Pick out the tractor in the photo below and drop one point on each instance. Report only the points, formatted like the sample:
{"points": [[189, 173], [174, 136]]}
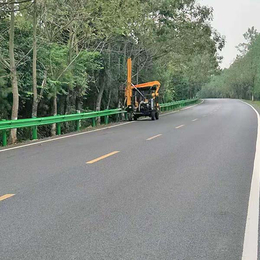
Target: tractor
{"points": [[141, 99]]}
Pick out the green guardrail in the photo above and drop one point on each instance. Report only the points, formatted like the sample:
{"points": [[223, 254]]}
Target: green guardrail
{"points": [[177, 104], [6, 125], [34, 122]]}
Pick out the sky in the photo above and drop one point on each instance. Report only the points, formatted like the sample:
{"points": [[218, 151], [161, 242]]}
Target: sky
{"points": [[232, 18]]}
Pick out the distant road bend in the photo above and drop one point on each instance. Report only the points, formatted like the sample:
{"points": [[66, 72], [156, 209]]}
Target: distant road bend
{"points": [[180, 188]]}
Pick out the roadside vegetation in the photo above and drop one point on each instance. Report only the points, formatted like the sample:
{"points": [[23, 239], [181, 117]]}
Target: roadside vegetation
{"points": [[255, 104], [242, 79], [57, 57]]}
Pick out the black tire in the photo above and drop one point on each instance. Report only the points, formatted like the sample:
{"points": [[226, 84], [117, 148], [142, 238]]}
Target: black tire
{"points": [[135, 118], [153, 115], [157, 115]]}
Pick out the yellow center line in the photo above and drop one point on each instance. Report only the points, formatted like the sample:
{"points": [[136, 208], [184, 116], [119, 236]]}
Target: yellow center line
{"points": [[6, 196], [151, 138], [102, 157], [177, 127], [194, 119]]}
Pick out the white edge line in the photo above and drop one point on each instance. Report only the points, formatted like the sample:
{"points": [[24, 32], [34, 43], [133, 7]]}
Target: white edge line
{"points": [[63, 137], [185, 108], [250, 247]]}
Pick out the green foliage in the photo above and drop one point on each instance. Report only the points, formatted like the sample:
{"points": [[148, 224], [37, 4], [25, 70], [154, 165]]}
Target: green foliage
{"points": [[242, 79], [4, 92], [83, 46]]}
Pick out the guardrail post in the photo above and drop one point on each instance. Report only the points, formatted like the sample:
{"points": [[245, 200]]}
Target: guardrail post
{"points": [[77, 125], [106, 120], [94, 122], [34, 133], [119, 117], [4, 138], [58, 126], [78, 122]]}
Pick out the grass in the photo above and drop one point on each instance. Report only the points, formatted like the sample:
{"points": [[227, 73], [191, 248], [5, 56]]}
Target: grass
{"points": [[255, 104]]}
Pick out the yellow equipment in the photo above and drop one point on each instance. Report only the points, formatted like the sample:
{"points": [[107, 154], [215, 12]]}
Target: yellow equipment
{"points": [[141, 99]]}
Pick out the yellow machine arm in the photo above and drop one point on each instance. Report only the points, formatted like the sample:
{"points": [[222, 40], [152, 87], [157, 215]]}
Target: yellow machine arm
{"points": [[130, 86], [149, 84], [128, 90]]}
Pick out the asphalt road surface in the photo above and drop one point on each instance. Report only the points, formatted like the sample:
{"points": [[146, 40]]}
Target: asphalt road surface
{"points": [[174, 189]]}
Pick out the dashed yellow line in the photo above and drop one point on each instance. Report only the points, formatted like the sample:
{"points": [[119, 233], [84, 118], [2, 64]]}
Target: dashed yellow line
{"points": [[6, 196], [194, 120], [177, 127], [151, 138], [102, 157]]}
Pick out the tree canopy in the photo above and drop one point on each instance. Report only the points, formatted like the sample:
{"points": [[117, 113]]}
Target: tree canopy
{"points": [[242, 79], [63, 56]]}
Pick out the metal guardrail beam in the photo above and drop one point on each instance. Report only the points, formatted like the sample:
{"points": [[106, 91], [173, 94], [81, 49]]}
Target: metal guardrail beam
{"points": [[10, 124], [6, 125], [176, 104]]}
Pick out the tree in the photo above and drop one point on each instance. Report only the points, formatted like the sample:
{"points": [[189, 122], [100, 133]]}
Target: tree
{"points": [[71, 55], [242, 79], [13, 73], [34, 70]]}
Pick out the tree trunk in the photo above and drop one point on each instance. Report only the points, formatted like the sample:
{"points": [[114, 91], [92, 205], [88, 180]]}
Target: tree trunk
{"points": [[69, 97], [119, 62], [13, 74], [125, 59], [137, 65], [103, 79], [53, 128], [99, 97], [109, 98], [35, 94], [109, 77], [44, 81]]}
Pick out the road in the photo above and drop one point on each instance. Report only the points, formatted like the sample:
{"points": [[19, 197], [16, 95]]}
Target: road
{"points": [[174, 189]]}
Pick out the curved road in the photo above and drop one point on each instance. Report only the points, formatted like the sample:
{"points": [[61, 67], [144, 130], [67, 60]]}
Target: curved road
{"points": [[174, 189]]}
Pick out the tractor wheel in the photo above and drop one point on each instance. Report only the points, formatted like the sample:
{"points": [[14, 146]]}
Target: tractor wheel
{"points": [[157, 115], [153, 115]]}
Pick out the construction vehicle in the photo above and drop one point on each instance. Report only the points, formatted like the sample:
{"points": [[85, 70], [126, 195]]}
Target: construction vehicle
{"points": [[141, 99]]}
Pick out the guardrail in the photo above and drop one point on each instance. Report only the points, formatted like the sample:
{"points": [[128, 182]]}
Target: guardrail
{"points": [[6, 125], [176, 104], [34, 122]]}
